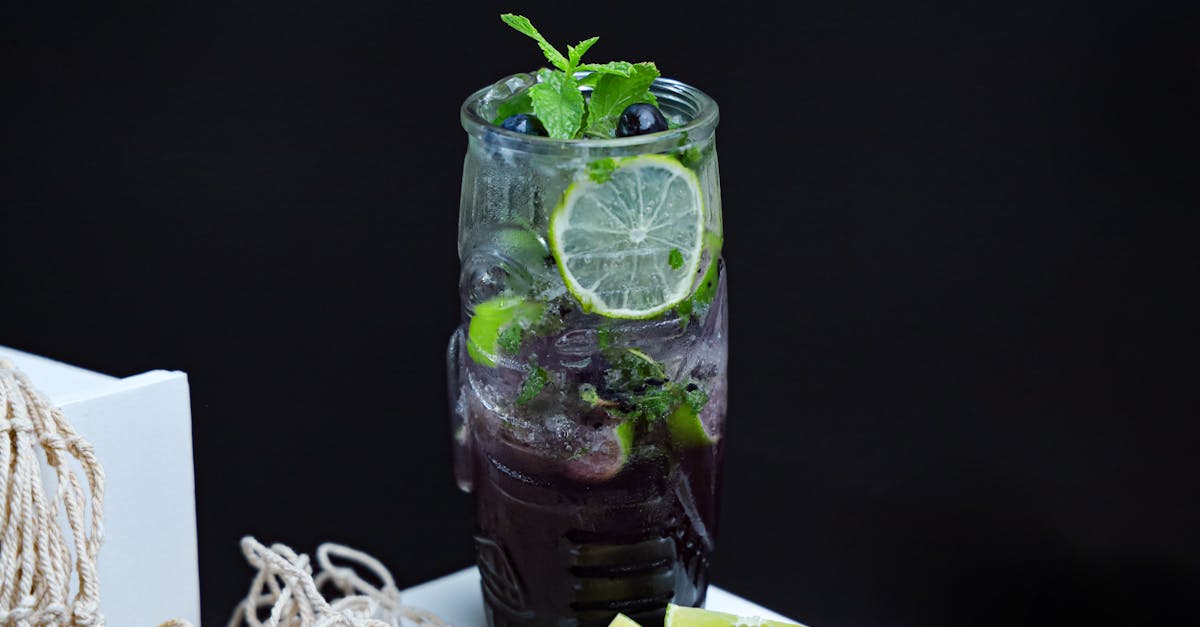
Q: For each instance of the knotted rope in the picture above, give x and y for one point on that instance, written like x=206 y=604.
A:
x=285 y=584
x=37 y=564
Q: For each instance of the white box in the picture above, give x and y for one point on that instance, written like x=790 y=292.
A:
x=141 y=428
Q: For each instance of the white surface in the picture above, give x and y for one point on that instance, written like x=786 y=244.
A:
x=141 y=429
x=457 y=599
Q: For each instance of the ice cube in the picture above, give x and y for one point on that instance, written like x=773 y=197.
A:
x=503 y=90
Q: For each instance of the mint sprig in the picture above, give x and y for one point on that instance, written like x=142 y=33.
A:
x=557 y=99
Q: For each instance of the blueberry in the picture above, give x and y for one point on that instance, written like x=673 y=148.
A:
x=525 y=124
x=640 y=118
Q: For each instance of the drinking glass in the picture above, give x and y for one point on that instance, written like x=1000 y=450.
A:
x=592 y=444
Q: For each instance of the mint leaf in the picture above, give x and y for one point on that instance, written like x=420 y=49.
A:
x=675 y=259
x=604 y=338
x=614 y=92
x=639 y=388
x=558 y=104
x=533 y=383
x=696 y=397
x=690 y=157
x=510 y=339
x=522 y=25
x=601 y=170
x=620 y=68
x=631 y=368
x=521 y=103
x=590 y=80
x=575 y=53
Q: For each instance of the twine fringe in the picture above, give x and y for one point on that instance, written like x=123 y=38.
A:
x=37 y=564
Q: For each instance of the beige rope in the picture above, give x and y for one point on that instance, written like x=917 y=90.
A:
x=37 y=563
x=285 y=585
x=38 y=566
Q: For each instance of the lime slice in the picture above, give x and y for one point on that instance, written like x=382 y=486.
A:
x=491 y=318
x=623 y=621
x=679 y=616
x=630 y=247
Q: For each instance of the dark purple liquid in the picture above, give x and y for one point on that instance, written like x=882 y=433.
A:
x=556 y=552
x=574 y=522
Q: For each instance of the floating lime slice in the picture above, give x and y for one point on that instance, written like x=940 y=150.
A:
x=679 y=616
x=494 y=316
x=630 y=247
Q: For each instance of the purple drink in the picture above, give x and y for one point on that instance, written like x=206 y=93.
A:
x=571 y=528
x=588 y=377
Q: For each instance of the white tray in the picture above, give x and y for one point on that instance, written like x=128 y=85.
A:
x=456 y=599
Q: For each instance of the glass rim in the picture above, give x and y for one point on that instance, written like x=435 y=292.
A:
x=700 y=125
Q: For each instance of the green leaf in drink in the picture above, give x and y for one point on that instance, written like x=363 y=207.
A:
x=675 y=259
x=575 y=53
x=510 y=339
x=558 y=103
x=534 y=382
x=521 y=103
x=619 y=68
x=522 y=25
x=601 y=170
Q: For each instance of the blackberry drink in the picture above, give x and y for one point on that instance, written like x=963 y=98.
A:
x=587 y=380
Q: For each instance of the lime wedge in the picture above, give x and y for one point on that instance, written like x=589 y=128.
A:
x=606 y=457
x=623 y=621
x=679 y=616
x=687 y=429
x=630 y=247
x=491 y=318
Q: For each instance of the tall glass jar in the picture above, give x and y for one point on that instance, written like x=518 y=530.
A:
x=592 y=441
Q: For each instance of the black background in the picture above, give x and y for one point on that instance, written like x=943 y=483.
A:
x=963 y=273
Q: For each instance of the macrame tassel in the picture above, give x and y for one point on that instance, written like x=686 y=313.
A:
x=37 y=564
